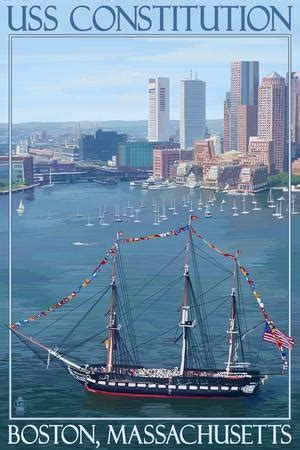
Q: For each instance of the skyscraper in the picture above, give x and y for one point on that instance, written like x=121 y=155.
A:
x=244 y=91
x=295 y=111
x=192 y=112
x=271 y=115
x=226 y=131
x=158 y=116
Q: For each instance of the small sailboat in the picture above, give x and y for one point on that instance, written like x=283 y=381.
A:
x=175 y=213
x=293 y=211
x=78 y=213
x=131 y=215
x=235 y=212
x=280 y=216
x=184 y=202
x=136 y=220
x=117 y=216
x=244 y=208
x=155 y=207
x=276 y=214
x=21 y=208
x=155 y=219
x=270 y=200
x=234 y=205
x=171 y=207
x=50 y=184
x=253 y=199
x=49 y=214
x=103 y=223
x=207 y=213
x=124 y=213
x=191 y=207
x=200 y=203
x=163 y=216
x=256 y=207
x=89 y=223
x=142 y=205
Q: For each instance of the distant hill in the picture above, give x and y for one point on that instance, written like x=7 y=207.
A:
x=136 y=127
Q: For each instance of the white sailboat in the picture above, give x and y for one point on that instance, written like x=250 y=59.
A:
x=21 y=208
x=276 y=214
x=131 y=215
x=280 y=216
x=117 y=216
x=103 y=223
x=50 y=184
x=136 y=220
x=234 y=205
x=200 y=203
x=175 y=213
x=155 y=219
x=256 y=207
x=191 y=207
x=78 y=213
x=244 y=209
x=184 y=203
x=163 y=215
x=207 y=213
x=293 y=211
x=270 y=200
x=49 y=214
x=89 y=223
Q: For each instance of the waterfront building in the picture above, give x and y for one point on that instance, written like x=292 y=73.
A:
x=204 y=151
x=222 y=176
x=271 y=115
x=261 y=151
x=67 y=152
x=244 y=89
x=253 y=179
x=21 y=169
x=296 y=167
x=137 y=155
x=217 y=143
x=192 y=112
x=158 y=109
x=163 y=160
x=100 y=147
x=226 y=124
x=246 y=126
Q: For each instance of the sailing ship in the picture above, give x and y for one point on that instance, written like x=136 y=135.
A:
x=197 y=374
x=50 y=184
x=21 y=208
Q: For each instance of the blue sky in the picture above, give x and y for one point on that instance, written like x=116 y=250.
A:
x=61 y=79
x=106 y=79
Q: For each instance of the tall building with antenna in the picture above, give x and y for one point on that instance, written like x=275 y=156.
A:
x=192 y=111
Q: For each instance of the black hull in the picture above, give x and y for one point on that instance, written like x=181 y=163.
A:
x=179 y=387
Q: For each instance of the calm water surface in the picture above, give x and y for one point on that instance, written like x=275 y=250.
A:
x=48 y=266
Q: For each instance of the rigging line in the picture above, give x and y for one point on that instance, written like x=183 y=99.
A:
x=82 y=318
x=158 y=298
x=220 y=266
x=215 y=285
x=156 y=337
x=31 y=347
x=166 y=286
x=69 y=312
x=128 y=309
x=158 y=273
x=79 y=344
x=211 y=258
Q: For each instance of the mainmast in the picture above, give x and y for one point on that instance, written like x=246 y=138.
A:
x=112 y=323
x=185 y=322
x=232 y=322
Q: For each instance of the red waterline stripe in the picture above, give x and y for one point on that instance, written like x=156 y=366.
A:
x=124 y=394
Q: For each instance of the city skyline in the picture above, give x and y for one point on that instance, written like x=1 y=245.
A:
x=70 y=82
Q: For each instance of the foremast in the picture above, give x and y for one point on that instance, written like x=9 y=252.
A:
x=113 y=326
x=185 y=322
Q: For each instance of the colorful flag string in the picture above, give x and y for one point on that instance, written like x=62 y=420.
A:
x=111 y=252
x=278 y=336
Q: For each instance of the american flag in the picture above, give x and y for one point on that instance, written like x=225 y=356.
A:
x=277 y=337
